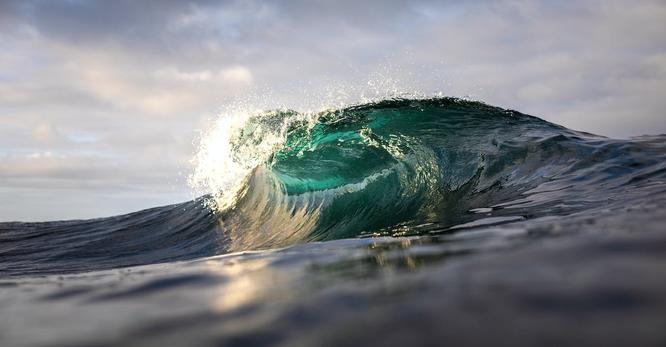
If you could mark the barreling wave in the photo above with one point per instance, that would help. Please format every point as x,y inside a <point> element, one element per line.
<point>400,167</point>
<point>394,167</point>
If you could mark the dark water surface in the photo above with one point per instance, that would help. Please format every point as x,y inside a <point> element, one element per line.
<point>402,222</point>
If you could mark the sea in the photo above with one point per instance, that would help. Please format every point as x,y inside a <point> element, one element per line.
<point>396,222</point>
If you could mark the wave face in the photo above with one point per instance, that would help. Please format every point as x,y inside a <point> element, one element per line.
<point>393,168</point>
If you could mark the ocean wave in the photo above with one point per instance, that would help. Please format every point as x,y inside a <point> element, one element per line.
<point>393,168</point>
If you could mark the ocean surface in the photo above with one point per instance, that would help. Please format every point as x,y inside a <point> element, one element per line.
<point>400,222</point>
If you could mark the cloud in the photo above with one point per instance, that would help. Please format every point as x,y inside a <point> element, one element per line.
<point>97,94</point>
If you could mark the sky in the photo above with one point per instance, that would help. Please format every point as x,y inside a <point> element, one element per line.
<point>102,103</point>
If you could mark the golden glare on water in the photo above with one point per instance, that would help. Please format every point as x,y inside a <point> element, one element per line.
<point>249,281</point>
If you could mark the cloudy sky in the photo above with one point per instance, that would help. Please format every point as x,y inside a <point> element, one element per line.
<point>102,102</point>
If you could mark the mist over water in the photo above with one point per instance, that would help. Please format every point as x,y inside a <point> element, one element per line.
<point>311,222</point>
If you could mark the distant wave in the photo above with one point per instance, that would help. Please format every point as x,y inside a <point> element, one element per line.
<point>394,167</point>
